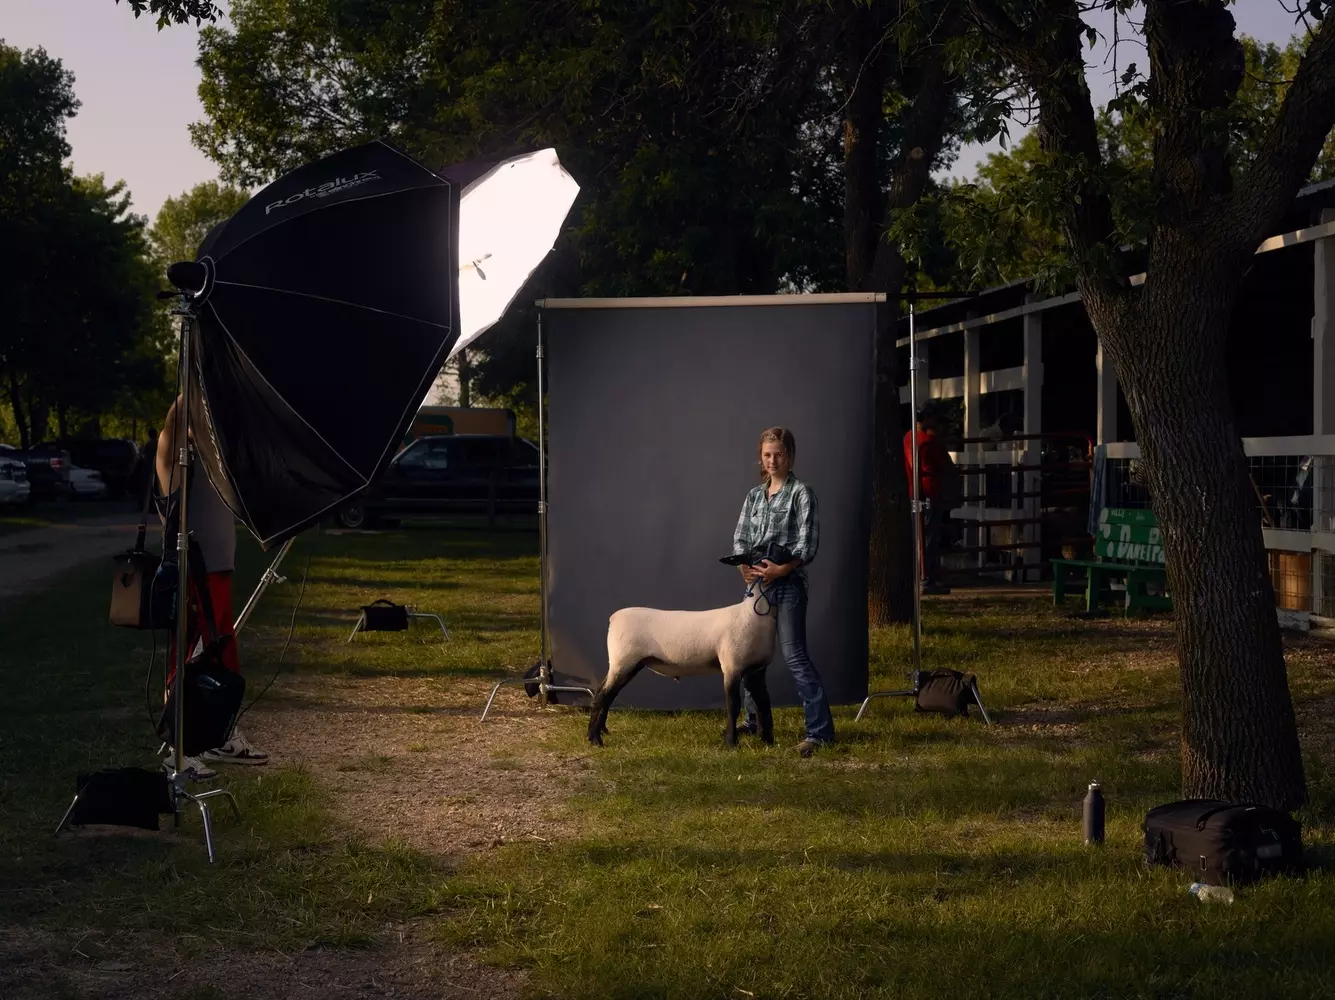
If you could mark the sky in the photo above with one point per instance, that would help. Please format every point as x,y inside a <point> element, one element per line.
<point>138,87</point>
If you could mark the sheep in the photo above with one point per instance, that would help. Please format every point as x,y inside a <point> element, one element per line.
<point>737,640</point>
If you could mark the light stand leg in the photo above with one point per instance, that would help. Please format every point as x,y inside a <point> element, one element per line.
<point>205,815</point>
<point>68,812</point>
<point>361,620</point>
<point>270,576</point>
<point>978,699</point>
<point>445,633</point>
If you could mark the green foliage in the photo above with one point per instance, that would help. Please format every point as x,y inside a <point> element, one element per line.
<point>689,127</point>
<point>1006,225</point>
<point>184,221</point>
<point>177,11</point>
<point>81,334</point>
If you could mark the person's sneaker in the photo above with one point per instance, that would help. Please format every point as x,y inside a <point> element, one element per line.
<point>237,750</point>
<point>194,768</point>
<point>750,728</point>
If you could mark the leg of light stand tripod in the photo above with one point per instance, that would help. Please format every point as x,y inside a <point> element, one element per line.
<point>207,818</point>
<point>978,700</point>
<point>361,620</point>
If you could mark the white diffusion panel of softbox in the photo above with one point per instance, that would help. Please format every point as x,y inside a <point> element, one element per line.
<point>655,409</point>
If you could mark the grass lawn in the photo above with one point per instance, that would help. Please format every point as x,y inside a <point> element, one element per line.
<point>45,513</point>
<point>920,857</point>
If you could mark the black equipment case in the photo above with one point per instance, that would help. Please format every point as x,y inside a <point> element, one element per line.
<point>1223,842</point>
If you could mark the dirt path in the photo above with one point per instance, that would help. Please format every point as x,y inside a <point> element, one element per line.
<point>404,759</point>
<point>30,559</point>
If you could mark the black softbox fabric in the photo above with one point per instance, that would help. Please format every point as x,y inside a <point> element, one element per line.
<point>331,303</point>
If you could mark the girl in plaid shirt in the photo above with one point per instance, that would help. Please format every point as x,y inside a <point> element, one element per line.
<point>782,509</point>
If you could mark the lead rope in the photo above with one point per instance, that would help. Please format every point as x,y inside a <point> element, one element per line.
<point>762,596</point>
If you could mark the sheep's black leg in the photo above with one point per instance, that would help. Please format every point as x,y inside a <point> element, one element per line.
<point>602,701</point>
<point>756,687</point>
<point>732,699</point>
<point>597,713</point>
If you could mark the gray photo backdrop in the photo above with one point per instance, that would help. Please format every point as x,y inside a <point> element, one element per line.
<point>653,422</point>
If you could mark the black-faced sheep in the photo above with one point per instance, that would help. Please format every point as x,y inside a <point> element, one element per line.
<point>737,641</point>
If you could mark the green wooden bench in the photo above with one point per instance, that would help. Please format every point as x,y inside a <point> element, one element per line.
<point>1127,547</point>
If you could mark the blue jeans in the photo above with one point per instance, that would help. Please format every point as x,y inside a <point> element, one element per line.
<point>789,598</point>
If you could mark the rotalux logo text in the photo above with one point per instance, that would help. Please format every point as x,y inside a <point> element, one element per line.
<point>337,186</point>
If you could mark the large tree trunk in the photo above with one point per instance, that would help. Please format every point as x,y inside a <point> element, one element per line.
<point>1239,737</point>
<point>1239,740</point>
<point>16,404</point>
<point>873,264</point>
<point>892,582</point>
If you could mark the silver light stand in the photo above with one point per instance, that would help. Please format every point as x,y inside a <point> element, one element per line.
<point>544,679</point>
<point>177,774</point>
<point>919,508</point>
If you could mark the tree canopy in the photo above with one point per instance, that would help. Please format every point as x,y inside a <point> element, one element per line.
<point>81,337</point>
<point>183,222</point>
<point>1006,224</point>
<point>176,11</point>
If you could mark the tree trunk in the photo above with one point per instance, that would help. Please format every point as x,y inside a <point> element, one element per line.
<point>864,78</point>
<point>891,582</point>
<point>37,417</point>
<point>465,376</point>
<point>16,404</point>
<point>1167,340</point>
<point>1239,739</point>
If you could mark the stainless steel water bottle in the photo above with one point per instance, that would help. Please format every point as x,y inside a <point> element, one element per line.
<point>1094,814</point>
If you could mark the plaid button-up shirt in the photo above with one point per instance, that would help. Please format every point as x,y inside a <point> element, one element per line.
<point>789,518</point>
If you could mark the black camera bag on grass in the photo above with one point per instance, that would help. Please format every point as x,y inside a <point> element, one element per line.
<point>949,692</point>
<point>1223,842</point>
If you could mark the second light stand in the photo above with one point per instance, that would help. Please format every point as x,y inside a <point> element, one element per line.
<point>919,508</point>
<point>544,678</point>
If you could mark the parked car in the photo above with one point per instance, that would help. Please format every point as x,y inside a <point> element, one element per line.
<point>117,459</point>
<point>450,474</point>
<point>48,470</point>
<point>14,488</point>
<point>87,484</point>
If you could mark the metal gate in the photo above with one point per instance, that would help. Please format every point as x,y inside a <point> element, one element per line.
<point>1026,500</point>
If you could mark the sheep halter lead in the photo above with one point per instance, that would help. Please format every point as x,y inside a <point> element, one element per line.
<point>762,596</point>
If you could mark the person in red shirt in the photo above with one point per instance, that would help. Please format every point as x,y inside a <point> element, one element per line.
<point>936,468</point>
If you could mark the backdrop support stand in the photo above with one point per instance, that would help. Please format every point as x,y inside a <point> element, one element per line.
<point>919,507</point>
<point>544,678</point>
<point>176,772</point>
